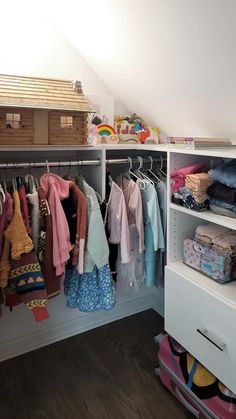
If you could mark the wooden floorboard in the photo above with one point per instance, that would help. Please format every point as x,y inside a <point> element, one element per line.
<point>103,373</point>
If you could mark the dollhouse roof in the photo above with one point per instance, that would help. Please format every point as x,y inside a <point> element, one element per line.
<point>42,93</point>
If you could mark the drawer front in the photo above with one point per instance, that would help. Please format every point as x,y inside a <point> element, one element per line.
<point>203,324</point>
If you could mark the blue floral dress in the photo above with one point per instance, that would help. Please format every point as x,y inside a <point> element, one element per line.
<point>90,291</point>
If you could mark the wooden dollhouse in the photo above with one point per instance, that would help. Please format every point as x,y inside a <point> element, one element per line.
<point>40,111</point>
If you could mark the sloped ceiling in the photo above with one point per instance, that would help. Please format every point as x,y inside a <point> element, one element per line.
<point>172,61</point>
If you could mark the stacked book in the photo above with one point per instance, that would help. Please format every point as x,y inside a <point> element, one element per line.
<point>193,143</point>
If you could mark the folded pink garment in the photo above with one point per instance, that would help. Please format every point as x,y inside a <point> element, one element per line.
<point>178,177</point>
<point>177,182</point>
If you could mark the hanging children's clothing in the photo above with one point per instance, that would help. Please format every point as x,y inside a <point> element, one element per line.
<point>57,189</point>
<point>154,238</point>
<point>16,232</point>
<point>96,248</point>
<point>6,217</point>
<point>45,247</point>
<point>26,276</point>
<point>116,215</point>
<point>116,225</point>
<point>23,203</point>
<point>161,189</point>
<point>34,217</point>
<point>132,273</point>
<point>94,289</point>
<point>25,282</point>
<point>90,291</point>
<point>75,208</point>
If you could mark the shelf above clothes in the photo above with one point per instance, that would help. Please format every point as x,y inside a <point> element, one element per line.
<point>207,216</point>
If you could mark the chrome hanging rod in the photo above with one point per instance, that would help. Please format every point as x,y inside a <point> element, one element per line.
<point>71,163</point>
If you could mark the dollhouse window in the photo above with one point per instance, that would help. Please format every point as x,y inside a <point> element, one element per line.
<point>13,120</point>
<point>67,122</point>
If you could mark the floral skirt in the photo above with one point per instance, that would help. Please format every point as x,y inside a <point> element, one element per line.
<point>90,291</point>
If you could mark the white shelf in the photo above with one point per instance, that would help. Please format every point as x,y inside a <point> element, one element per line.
<point>147,147</point>
<point>207,215</point>
<point>212,152</point>
<point>226,292</point>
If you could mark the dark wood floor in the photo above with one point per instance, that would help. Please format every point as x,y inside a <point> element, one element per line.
<point>104,373</point>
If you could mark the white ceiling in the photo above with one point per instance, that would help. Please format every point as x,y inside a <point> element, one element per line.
<point>171,61</point>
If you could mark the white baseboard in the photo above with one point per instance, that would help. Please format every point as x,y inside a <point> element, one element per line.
<point>55,329</point>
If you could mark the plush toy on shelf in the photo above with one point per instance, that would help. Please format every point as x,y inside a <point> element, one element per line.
<point>132,129</point>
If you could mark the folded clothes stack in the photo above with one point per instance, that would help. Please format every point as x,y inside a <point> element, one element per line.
<point>220,238</point>
<point>212,251</point>
<point>189,187</point>
<point>222,192</point>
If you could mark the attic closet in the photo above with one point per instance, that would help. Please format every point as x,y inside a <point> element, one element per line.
<point>96,166</point>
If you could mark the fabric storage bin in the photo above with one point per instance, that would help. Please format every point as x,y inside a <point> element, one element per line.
<point>204,258</point>
<point>192,384</point>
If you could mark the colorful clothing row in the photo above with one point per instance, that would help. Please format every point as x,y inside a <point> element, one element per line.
<point>53,228</point>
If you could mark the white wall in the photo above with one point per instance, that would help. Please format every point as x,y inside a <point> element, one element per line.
<point>172,61</point>
<point>32,45</point>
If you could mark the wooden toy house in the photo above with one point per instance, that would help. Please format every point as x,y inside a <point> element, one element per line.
<point>40,111</point>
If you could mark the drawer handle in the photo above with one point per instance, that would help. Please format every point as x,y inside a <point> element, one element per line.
<point>205,334</point>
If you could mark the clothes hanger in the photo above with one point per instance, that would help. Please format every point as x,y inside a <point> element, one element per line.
<point>150,169</point>
<point>29,179</point>
<point>47,166</point>
<point>14,182</point>
<point>131,173</point>
<point>160,169</point>
<point>79,174</point>
<point>4,181</point>
<point>2,194</point>
<point>30,182</point>
<point>141,173</point>
<point>35,177</point>
<point>2,198</point>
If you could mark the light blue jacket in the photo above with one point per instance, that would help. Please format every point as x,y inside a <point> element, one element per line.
<point>154,237</point>
<point>96,247</point>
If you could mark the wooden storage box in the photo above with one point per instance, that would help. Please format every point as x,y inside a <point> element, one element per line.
<point>36,111</point>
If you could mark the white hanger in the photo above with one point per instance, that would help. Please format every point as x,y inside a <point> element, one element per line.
<point>2,194</point>
<point>150,169</point>
<point>2,198</point>
<point>160,169</point>
<point>29,179</point>
<point>35,177</point>
<point>47,166</point>
<point>130,171</point>
<point>14,183</point>
<point>141,173</point>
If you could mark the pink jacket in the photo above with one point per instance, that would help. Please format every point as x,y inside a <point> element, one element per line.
<point>118,222</point>
<point>56,189</point>
<point>177,179</point>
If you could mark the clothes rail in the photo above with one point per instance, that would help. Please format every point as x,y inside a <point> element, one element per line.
<point>70,163</point>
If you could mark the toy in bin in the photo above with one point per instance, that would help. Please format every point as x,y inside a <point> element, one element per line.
<point>192,384</point>
<point>133,129</point>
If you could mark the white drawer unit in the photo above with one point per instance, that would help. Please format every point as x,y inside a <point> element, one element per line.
<point>203,322</point>
<point>199,312</point>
